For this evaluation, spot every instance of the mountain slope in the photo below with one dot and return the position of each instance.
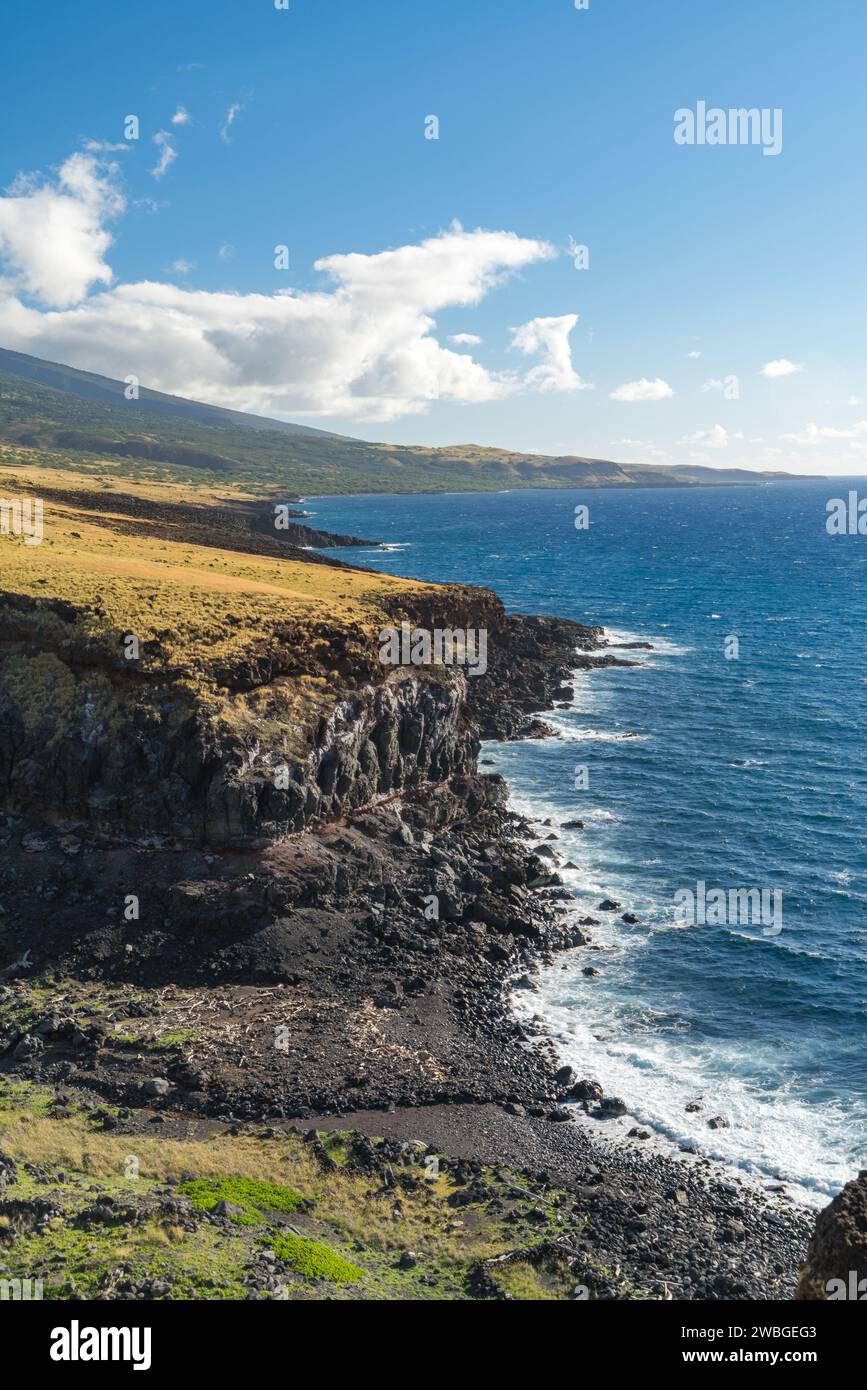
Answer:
(90, 386)
(83, 421)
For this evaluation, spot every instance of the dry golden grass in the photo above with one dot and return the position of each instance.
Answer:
(196, 602)
(15, 482)
(350, 1202)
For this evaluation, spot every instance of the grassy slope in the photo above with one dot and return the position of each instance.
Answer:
(199, 602)
(336, 1231)
(200, 611)
(118, 438)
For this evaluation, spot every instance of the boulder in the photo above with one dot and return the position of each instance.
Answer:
(28, 1048)
(585, 1090)
(612, 1106)
(835, 1267)
(229, 1210)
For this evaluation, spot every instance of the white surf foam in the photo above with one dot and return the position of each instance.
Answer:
(769, 1136)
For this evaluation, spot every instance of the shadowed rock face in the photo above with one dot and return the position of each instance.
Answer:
(139, 759)
(83, 738)
(836, 1263)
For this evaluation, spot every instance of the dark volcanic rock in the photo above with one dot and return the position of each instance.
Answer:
(343, 943)
(585, 1090)
(612, 1106)
(836, 1264)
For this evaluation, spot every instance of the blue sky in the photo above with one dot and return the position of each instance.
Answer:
(555, 124)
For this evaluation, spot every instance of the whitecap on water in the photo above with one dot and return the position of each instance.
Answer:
(582, 734)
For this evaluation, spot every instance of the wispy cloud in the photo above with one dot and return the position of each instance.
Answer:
(168, 153)
(181, 116)
(231, 116)
(106, 146)
(822, 434)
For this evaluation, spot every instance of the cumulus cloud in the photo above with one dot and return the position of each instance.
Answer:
(550, 338)
(465, 340)
(181, 116)
(643, 390)
(168, 153)
(716, 438)
(53, 240)
(363, 347)
(780, 367)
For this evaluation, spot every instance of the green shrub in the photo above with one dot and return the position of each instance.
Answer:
(253, 1196)
(315, 1261)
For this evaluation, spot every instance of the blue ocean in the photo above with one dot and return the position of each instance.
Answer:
(729, 763)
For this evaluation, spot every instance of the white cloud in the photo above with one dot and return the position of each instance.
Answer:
(181, 116)
(52, 235)
(106, 146)
(232, 115)
(362, 347)
(646, 445)
(150, 205)
(716, 438)
(182, 266)
(168, 153)
(643, 390)
(550, 337)
(821, 434)
(695, 354)
(780, 367)
(465, 340)
(226, 251)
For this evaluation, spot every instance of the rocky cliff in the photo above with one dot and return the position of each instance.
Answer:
(298, 728)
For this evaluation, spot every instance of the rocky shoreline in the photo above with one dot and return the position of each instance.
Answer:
(355, 974)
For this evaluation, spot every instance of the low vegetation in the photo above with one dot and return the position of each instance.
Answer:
(92, 1212)
(157, 440)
